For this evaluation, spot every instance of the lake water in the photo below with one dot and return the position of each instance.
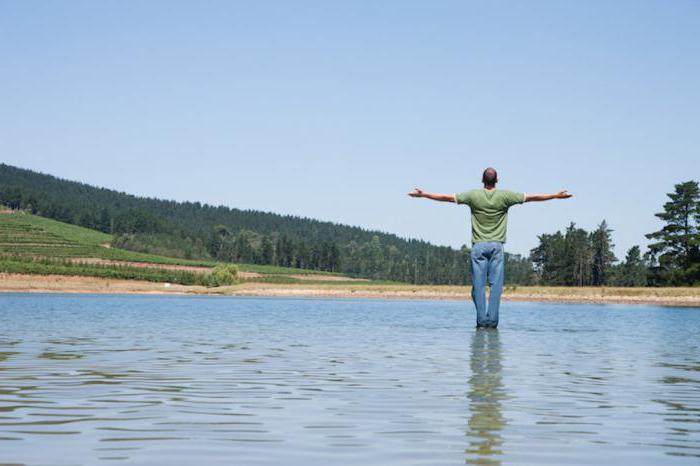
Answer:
(90, 380)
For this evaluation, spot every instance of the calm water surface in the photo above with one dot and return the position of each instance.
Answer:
(90, 380)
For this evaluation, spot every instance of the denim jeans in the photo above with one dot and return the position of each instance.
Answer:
(487, 263)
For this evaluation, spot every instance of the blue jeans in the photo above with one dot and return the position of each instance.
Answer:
(487, 261)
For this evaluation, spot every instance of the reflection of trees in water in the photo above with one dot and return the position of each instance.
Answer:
(485, 394)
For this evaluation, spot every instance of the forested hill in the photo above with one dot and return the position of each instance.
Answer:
(201, 231)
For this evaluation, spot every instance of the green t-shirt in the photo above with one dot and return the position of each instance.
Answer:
(489, 212)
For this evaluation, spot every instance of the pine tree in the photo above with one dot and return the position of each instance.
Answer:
(633, 271)
(602, 254)
(219, 237)
(678, 241)
(268, 251)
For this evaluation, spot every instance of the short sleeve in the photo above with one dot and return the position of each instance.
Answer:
(462, 198)
(513, 198)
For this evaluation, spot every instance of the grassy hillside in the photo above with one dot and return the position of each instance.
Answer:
(24, 235)
(199, 231)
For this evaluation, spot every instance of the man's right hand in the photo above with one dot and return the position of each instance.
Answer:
(416, 193)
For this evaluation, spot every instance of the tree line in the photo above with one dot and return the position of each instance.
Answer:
(576, 257)
(573, 257)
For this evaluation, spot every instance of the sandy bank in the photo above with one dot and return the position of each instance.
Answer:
(22, 283)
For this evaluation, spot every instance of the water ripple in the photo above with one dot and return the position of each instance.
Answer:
(162, 380)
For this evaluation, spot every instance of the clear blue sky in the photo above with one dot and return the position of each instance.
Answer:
(336, 109)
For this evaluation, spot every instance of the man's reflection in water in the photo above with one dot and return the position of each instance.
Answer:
(485, 394)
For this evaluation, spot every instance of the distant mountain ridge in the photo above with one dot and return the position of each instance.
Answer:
(201, 231)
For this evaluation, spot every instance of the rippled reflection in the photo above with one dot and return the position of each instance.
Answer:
(485, 394)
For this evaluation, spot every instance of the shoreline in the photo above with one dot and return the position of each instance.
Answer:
(21, 283)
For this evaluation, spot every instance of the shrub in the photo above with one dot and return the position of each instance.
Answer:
(223, 275)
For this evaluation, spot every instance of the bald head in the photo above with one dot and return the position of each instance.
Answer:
(489, 178)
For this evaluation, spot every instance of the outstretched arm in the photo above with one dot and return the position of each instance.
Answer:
(434, 196)
(546, 197)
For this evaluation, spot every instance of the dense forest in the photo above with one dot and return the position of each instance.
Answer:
(193, 230)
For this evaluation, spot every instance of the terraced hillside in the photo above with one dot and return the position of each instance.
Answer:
(29, 235)
(36, 244)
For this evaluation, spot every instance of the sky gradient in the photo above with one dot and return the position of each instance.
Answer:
(335, 110)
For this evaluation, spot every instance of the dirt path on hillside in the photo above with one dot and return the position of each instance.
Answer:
(326, 278)
(145, 265)
(203, 269)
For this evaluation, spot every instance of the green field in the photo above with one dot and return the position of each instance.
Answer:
(36, 266)
(25, 236)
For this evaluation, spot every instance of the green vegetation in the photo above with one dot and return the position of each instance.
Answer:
(579, 258)
(11, 264)
(192, 234)
(27, 235)
(201, 232)
(223, 275)
(31, 235)
(675, 256)
(277, 270)
(575, 257)
(633, 271)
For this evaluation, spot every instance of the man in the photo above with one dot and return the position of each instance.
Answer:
(489, 212)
